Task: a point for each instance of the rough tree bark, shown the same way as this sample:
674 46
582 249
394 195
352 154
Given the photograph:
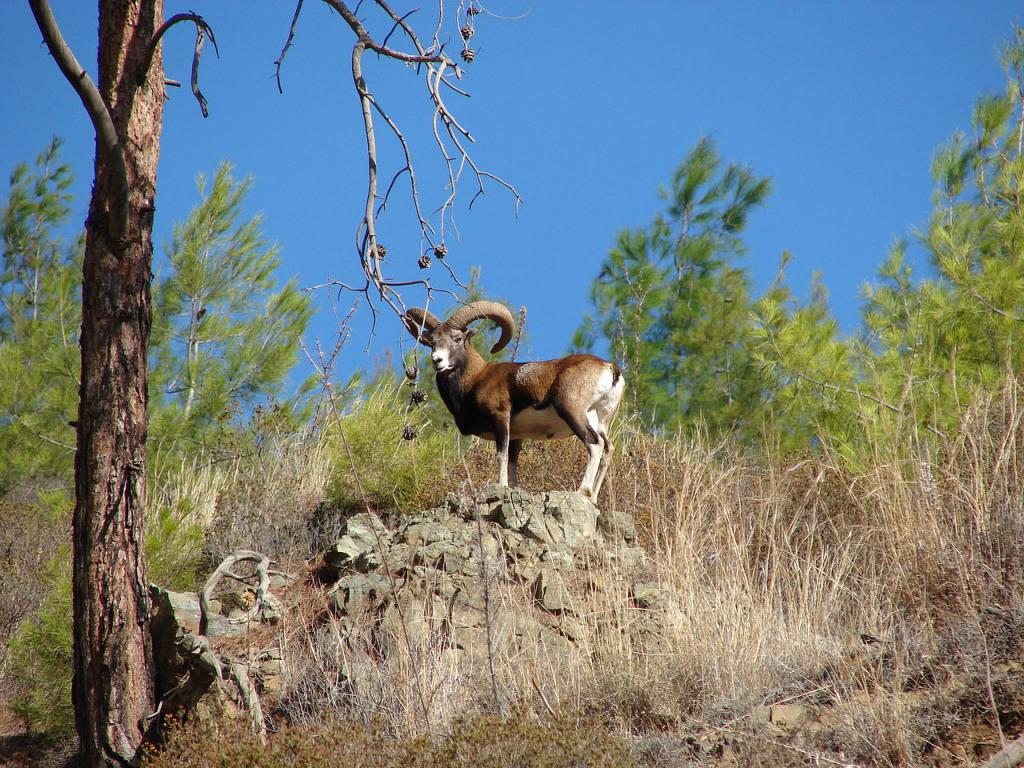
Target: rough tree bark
113 678
113 682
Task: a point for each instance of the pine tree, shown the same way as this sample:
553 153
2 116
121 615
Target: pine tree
40 313
929 346
674 307
225 336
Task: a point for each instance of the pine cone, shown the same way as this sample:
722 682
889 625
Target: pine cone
381 251
441 251
467 32
418 396
473 10
468 54
424 261
411 372
409 432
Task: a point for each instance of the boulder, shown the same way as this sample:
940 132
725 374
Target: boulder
361 545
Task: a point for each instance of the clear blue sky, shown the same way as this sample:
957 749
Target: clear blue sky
587 107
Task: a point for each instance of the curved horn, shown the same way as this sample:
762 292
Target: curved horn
417 321
490 310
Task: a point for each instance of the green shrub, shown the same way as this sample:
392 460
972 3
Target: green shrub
392 454
174 545
41 657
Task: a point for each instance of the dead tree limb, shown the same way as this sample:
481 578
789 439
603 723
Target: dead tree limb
224 569
203 30
402 43
107 141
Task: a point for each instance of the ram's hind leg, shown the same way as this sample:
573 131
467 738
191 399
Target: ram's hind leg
591 439
606 460
502 442
607 449
600 416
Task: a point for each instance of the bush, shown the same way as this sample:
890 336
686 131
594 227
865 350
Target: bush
31 530
41 657
388 456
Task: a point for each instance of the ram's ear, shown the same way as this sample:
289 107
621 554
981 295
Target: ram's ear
420 323
471 332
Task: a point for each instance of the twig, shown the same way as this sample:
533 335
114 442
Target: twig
287 45
24 425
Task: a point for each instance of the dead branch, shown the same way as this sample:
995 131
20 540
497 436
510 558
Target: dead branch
1009 756
250 699
287 45
203 30
451 138
107 141
263 595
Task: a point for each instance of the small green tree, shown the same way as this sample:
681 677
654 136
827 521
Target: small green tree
225 336
928 347
40 312
674 307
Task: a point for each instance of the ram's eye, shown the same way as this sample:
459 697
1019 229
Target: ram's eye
457 337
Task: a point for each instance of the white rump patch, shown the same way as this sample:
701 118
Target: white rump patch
608 394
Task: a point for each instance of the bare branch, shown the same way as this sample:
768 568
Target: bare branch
197 53
203 30
399 22
287 46
262 588
456 157
107 140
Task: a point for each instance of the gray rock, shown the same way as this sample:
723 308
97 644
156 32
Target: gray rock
648 594
617 526
629 559
178 613
357 592
550 593
511 508
359 547
575 515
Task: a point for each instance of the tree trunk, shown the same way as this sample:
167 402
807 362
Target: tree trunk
113 664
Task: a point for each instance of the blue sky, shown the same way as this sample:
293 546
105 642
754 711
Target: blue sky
586 107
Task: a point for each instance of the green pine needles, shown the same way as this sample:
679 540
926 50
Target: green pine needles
675 307
225 335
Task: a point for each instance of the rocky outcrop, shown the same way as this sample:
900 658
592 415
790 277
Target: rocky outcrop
507 575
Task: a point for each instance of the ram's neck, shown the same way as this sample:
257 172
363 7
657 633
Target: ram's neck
453 385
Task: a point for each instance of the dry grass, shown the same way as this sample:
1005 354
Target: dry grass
849 594
887 603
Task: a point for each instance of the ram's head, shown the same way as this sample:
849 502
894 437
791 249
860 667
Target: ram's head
449 340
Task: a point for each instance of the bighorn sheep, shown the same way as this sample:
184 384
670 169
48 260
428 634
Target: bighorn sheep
509 402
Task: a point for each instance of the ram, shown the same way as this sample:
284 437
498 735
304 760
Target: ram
511 402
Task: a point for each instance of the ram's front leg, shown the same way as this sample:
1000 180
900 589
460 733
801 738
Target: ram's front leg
514 447
501 439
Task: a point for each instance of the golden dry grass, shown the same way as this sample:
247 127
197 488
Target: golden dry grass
888 602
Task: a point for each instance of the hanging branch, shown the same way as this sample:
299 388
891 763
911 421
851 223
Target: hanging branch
451 137
287 46
203 30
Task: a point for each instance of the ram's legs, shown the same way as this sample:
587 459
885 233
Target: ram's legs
590 438
501 439
514 447
606 459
